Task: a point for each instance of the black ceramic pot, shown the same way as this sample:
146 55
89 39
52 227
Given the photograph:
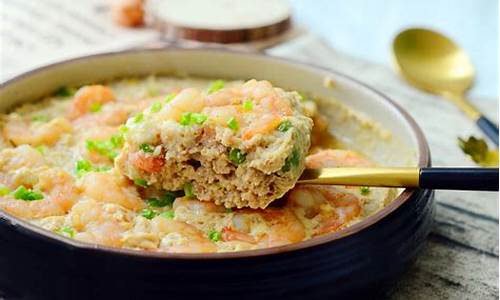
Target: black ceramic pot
361 260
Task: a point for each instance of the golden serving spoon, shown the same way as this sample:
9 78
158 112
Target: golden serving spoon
478 179
432 62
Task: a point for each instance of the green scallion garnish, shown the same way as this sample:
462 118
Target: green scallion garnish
214 235
95 107
22 193
170 97
364 190
284 126
292 161
248 105
233 124
141 182
156 107
146 148
168 214
215 86
4 190
188 190
236 156
148 213
138 118
66 231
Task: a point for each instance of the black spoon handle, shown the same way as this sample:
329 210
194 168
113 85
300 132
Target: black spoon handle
478 179
489 128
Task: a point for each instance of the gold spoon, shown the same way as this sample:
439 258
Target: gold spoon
478 179
432 62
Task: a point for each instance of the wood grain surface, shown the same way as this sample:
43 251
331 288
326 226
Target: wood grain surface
460 258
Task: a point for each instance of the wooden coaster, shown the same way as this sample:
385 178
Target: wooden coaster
220 21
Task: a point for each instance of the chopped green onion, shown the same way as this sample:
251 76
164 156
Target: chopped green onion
364 190
95 107
66 231
185 118
146 148
188 190
123 129
236 156
233 124
22 193
102 147
229 210
40 118
248 105
215 86
170 97
65 92
83 166
41 148
156 107
117 140
214 235
292 161
284 126
4 190
166 200
198 118
148 213
102 168
302 97
168 214
138 118
141 182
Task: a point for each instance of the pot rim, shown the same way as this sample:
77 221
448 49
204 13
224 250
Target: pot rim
423 160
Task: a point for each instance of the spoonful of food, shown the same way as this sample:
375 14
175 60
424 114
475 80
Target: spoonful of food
432 62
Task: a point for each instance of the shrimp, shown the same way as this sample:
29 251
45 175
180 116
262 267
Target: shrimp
100 223
59 196
282 227
224 97
110 187
263 125
221 114
196 206
257 90
188 100
332 158
180 237
88 96
329 208
147 163
19 131
113 115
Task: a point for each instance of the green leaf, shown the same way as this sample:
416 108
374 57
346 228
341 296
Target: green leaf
478 151
22 193
236 156
284 126
215 86
42 149
233 124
